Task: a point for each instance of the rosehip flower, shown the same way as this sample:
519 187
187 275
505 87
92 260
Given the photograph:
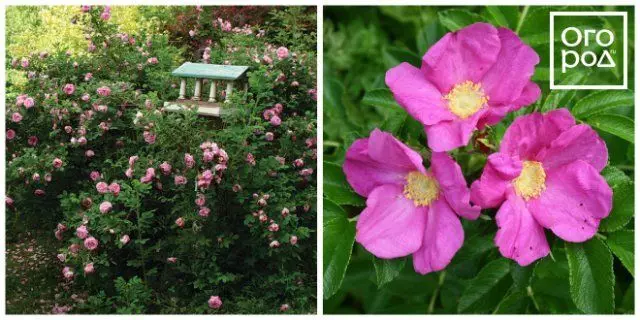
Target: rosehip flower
104 91
298 163
410 210
282 53
25 63
262 218
11 134
207 156
149 137
39 192
192 33
285 212
62 257
67 273
278 107
262 202
251 159
275 121
267 59
293 240
267 114
114 188
82 141
91 243
179 180
102 187
180 222
105 207
35 177
461 85
268 136
32 141
546 175
85 97
88 269
152 60
16 117
74 248
295 83
236 188
215 302
306 172
94 175
88 76
47 177
29 103
128 173
189 161
313 93
165 168
200 200
172 259
284 307
8 201
105 15
58 234
204 212
82 232
57 163
89 153
125 239
274 227
132 160
274 244
69 88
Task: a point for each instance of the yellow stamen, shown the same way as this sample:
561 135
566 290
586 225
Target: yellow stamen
530 183
466 98
421 188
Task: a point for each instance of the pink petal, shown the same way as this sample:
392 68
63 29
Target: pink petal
499 172
519 236
529 134
419 97
448 135
530 94
391 226
453 185
443 237
460 56
578 143
378 160
495 113
576 198
515 62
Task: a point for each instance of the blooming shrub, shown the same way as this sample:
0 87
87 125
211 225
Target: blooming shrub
167 203
432 113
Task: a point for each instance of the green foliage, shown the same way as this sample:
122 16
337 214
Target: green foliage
361 44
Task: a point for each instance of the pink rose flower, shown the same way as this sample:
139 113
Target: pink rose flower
278 107
180 222
105 207
298 163
274 227
165 168
267 59
82 232
16 117
132 160
204 212
128 173
200 200
284 308
105 15
91 243
172 259
215 302
102 187
152 60
189 161
11 134
284 212
410 210
275 121
114 187
88 269
32 141
295 83
88 76
545 175
39 192
104 91
313 93
179 180
62 257
282 53
67 273
29 103
149 137
269 136
293 240
94 176
274 244
461 85
8 201
125 239
35 177
89 153
25 63
69 88
57 163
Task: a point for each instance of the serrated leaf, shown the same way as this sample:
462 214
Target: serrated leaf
622 211
621 244
455 19
336 188
591 276
380 97
561 98
601 101
614 176
617 125
338 237
482 288
387 269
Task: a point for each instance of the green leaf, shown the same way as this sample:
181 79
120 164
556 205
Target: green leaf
482 288
617 125
591 276
622 211
561 98
394 56
455 19
338 237
427 35
387 269
497 17
601 101
614 176
621 244
336 188
513 303
380 97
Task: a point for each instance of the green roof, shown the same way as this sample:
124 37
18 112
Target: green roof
209 71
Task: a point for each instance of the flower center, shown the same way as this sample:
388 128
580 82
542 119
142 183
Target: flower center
466 98
530 183
421 188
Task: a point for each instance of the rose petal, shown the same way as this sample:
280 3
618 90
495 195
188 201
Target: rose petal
578 143
490 190
448 135
391 226
453 185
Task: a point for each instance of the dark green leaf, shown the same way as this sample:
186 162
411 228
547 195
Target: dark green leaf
497 17
338 237
561 98
394 56
455 19
427 35
617 125
591 276
336 188
601 101
387 269
621 244
483 287
380 97
622 211
614 176
513 303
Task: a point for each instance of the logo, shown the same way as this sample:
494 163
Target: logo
577 47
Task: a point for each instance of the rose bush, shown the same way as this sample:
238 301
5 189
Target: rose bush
187 214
